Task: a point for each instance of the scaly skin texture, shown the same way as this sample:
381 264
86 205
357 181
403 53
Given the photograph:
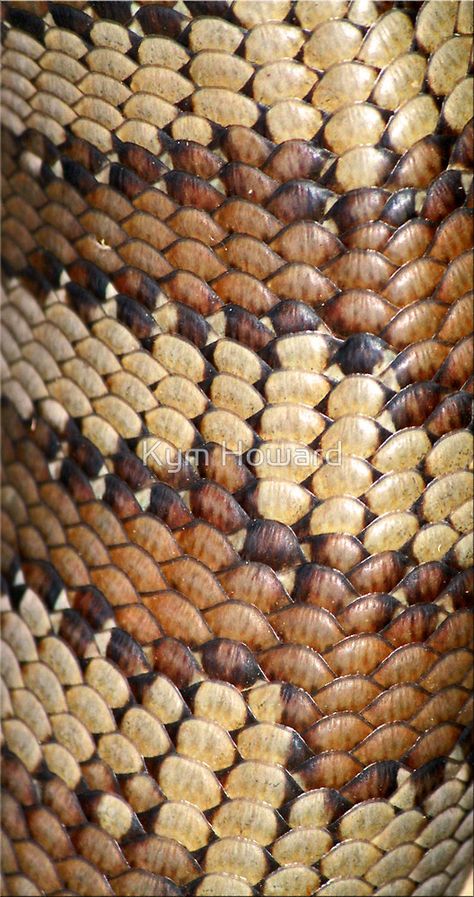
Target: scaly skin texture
237 456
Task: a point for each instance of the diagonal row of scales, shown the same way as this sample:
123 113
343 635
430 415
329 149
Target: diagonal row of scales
237 458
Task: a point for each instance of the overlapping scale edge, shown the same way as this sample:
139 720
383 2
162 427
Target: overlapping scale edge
232 675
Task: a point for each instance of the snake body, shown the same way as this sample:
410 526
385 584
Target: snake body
237 451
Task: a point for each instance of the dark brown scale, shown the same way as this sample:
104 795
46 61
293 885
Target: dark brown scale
191 190
71 18
452 413
126 653
156 19
76 632
173 659
244 181
143 163
414 404
119 497
298 199
357 207
93 606
137 285
379 780
444 195
169 506
84 302
245 328
272 543
462 152
90 277
323 587
132 471
293 317
230 661
424 583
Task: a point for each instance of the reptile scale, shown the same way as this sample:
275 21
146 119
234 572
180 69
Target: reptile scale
237 450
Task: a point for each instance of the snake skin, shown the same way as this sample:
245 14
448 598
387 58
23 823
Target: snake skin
237 450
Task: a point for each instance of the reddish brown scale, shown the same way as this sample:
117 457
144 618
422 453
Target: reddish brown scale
155 202
424 583
195 159
405 664
173 659
323 587
244 217
370 613
332 769
309 670
379 573
413 323
458 365
185 287
138 623
194 256
91 842
255 583
374 235
337 550
414 404
454 632
418 362
357 311
300 281
218 507
197 224
244 181
177 617
341 732
160 855
360 269
307 625
413 625
419 165
388 742
245 145
457 280
224 469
